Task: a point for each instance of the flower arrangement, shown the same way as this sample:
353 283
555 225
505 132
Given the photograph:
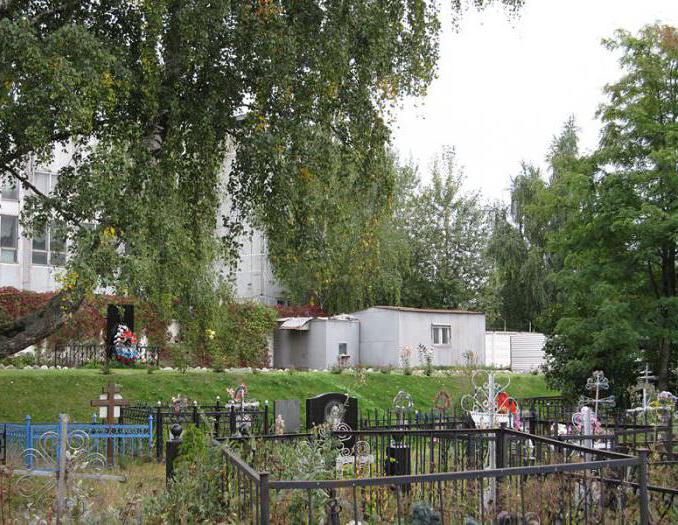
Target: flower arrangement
405 356
596 426
666 400
238 394
426 358
279 425
125 346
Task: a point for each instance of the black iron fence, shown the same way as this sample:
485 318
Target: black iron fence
433 419
74 355
460 476
220 420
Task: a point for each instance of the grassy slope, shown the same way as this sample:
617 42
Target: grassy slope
44 394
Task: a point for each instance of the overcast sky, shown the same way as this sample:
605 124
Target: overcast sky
505 87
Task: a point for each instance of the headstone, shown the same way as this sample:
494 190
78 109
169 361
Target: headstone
115 316
290 411
333 408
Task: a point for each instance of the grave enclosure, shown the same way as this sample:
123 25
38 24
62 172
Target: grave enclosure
517 465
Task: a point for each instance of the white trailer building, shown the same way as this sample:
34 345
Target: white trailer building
519 351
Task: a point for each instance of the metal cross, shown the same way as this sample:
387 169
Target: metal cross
596 383
645 383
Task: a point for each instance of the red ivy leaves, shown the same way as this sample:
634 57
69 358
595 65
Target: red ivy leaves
89 322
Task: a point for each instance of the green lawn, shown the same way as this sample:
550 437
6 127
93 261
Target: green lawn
45 393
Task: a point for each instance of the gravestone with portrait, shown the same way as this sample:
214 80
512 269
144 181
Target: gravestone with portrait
335 409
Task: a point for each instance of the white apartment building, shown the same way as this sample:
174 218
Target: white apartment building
34 264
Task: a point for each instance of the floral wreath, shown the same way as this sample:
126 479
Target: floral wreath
125 345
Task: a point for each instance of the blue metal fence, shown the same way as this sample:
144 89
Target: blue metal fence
128 441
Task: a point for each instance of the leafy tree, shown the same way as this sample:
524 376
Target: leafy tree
447 231
618 282
519 247
150 95
330 239
516 251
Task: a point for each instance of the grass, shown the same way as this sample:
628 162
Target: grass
45 393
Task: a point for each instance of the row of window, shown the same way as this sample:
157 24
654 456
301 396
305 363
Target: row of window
48 247
42 180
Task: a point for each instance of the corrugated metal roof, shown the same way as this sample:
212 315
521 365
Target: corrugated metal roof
428 310
295 323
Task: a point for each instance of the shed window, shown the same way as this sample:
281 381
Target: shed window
343 349
440 334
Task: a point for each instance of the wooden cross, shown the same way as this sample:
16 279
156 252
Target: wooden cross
110 402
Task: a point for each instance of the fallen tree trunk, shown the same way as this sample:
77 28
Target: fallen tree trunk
19 334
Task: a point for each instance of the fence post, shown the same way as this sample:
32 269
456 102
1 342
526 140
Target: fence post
28 443
264 504
499 448
196 420
532 422
217 417
3 455
172 451
266 417
642 484
669 437
231 421
150 435
158 432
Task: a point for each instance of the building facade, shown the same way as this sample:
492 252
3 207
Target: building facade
35 264
376 336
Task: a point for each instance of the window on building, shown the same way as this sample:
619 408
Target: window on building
41 181
9 236
49 247
39 249
57 245
10 190
441 334
343 348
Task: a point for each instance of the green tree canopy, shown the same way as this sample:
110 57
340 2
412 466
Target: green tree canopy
617 285
150 95
446 229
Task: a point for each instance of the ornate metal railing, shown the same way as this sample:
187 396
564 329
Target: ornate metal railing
531 479
74 355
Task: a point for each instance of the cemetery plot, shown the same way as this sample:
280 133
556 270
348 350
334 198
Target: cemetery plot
534 478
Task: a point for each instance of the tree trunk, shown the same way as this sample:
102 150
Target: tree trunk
32 328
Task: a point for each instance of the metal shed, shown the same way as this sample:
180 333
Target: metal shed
521 351
316 342
457 336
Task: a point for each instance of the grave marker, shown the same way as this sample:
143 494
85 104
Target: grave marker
290 411
334 409
109 404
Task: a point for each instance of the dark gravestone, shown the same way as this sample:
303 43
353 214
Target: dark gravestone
333 408
290 411
115 316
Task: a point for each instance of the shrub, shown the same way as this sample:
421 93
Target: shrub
194 496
